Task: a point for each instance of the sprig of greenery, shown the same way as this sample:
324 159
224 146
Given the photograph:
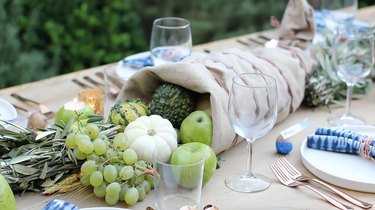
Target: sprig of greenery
323 87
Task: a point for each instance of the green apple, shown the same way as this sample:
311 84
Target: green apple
64 115
191 153
197 127
7 200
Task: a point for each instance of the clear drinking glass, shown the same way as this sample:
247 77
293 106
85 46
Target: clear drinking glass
252 113
170 40
338 12
177 186
353 59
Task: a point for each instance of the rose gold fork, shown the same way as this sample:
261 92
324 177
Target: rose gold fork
42 108
296 175
287 181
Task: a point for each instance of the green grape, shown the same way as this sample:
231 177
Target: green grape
113 189
112 155
93 156
99 191
124 188
120 141
131 196
78 154
111 199
92 130
140 178
126 172
130 156
86 146
150 179
141 163
110 173
80 137
141 193
100 147
132 181
88 167
146 185
119 166
96 178
101 168
102 137
71 141
85 180
139 175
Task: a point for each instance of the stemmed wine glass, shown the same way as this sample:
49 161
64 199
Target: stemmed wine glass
252 113
353 59
170 40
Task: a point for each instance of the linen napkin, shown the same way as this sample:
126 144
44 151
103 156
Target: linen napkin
211 74
297 27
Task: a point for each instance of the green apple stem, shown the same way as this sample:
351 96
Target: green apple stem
249 162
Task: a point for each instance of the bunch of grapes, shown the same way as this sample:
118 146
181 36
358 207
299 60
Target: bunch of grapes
111 167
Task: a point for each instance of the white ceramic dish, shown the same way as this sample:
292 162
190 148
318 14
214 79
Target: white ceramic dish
124 70
7 111
344 170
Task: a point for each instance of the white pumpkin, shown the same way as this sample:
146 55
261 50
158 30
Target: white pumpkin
148 134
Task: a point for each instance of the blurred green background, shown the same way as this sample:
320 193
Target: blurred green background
43 38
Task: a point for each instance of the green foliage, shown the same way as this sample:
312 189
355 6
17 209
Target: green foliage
40 39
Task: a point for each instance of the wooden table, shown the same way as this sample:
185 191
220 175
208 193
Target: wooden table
57 90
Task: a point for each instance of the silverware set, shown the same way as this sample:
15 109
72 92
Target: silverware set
43 109
114 89
289 176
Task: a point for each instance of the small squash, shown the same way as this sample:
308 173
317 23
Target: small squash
125 112
149 134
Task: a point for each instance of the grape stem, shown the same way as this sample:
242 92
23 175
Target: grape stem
145 170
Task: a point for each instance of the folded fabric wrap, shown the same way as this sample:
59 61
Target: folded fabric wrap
211 76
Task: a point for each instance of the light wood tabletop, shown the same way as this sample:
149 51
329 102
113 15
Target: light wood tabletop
55 91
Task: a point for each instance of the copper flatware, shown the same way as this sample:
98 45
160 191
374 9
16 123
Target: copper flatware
112 89
81 84
297 175
42 108
288 181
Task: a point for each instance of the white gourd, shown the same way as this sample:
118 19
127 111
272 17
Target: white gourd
148 134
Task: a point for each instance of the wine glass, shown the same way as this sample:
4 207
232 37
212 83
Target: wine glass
353 59
252 113
338 12
170 40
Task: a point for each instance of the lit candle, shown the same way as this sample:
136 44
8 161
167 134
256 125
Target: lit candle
71 109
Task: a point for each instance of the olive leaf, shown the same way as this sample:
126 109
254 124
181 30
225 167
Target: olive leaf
44 134
25 170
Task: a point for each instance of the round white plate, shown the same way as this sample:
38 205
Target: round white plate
344 170
7 111
124 70
104 208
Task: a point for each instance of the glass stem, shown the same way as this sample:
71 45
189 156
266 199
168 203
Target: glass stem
249 162
349 91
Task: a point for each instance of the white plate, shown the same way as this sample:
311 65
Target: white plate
344 170
103 208
7 111
124 70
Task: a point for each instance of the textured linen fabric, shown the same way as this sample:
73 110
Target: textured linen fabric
211 75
